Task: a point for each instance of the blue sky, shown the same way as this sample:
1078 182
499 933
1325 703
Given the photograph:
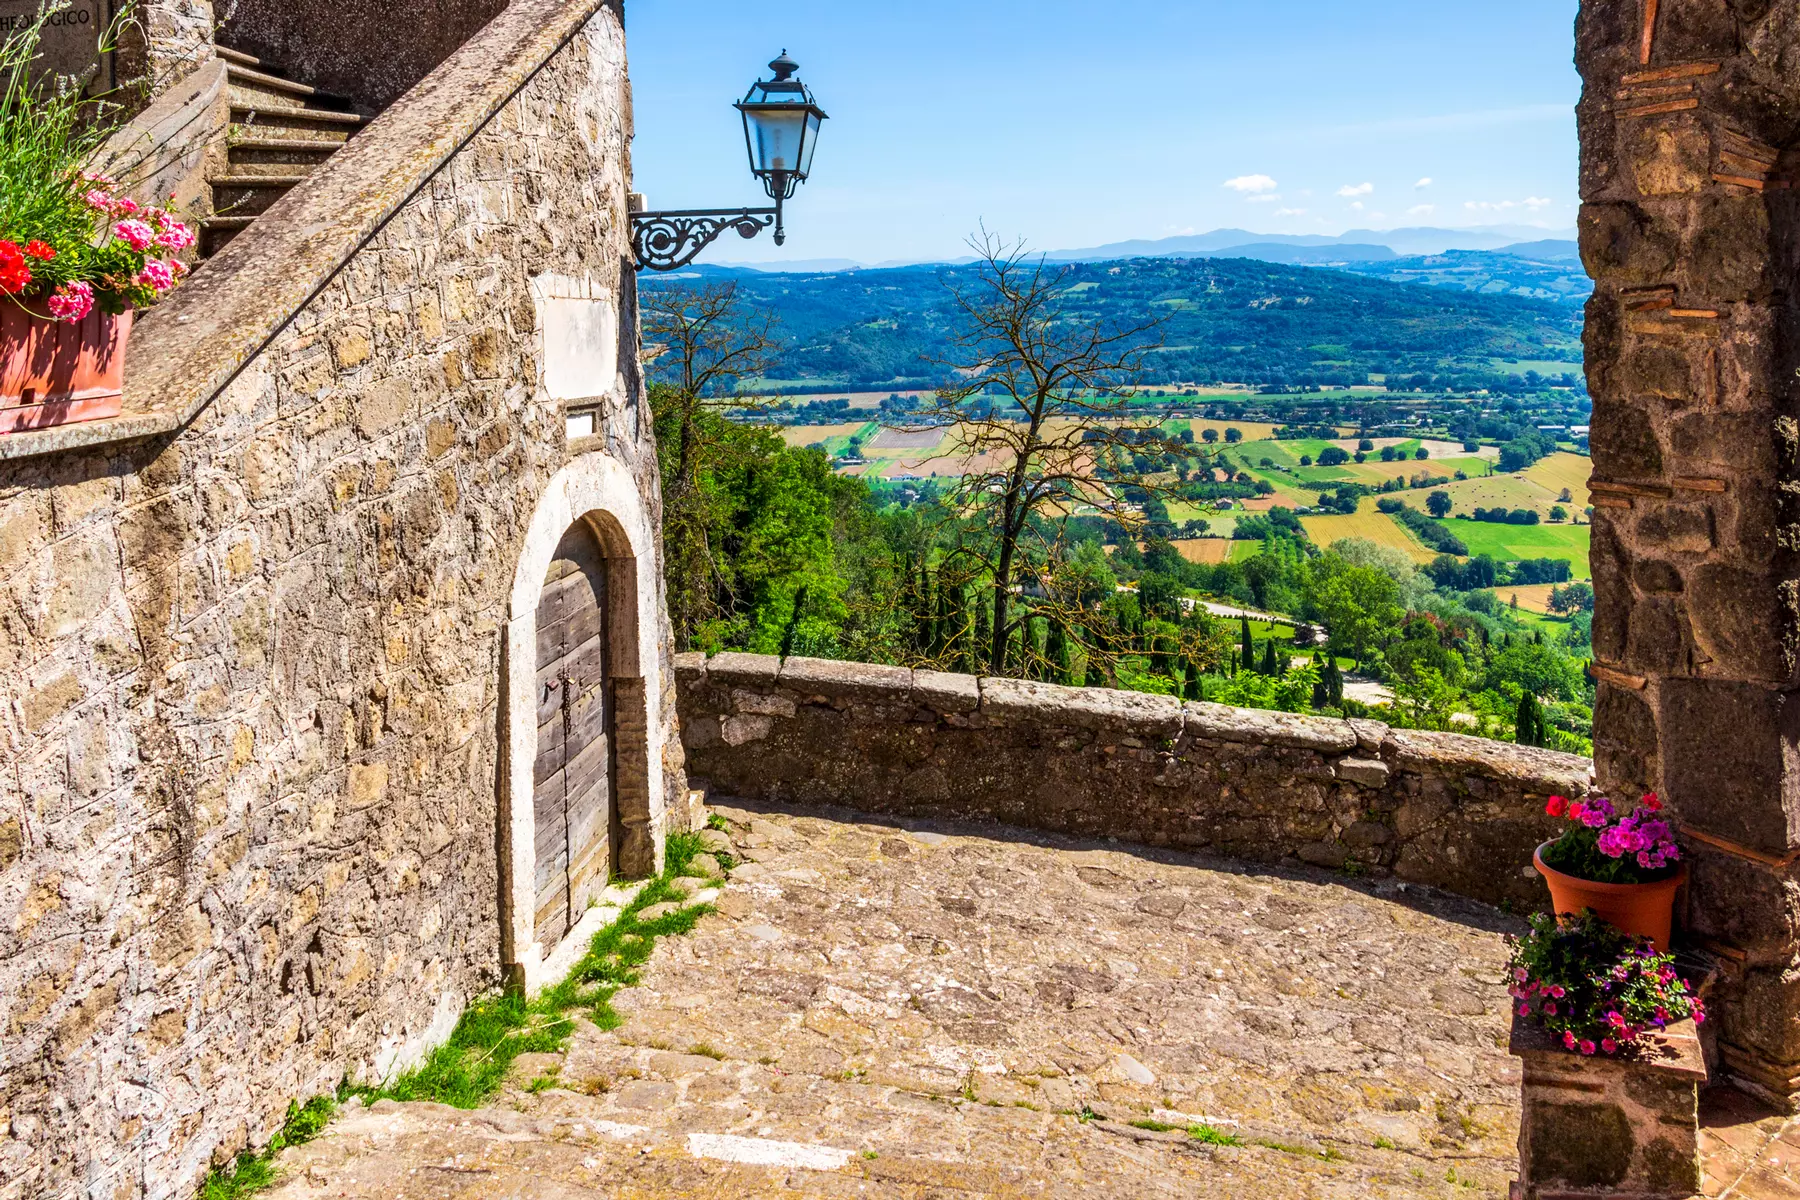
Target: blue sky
1074 124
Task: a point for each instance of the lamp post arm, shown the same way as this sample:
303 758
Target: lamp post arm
668 241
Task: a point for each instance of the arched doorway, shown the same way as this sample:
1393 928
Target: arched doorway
581 787
572 778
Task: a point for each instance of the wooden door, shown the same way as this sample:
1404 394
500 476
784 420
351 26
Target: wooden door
573 775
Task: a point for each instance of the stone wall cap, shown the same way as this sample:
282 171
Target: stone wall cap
945 692
1533 769
690 668
872 682
1674 1052
1221 723
735 667
1050 704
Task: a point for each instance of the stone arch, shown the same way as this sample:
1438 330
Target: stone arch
596 495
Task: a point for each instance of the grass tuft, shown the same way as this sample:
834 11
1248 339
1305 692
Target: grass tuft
254 1171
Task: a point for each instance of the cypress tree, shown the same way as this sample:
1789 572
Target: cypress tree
1321 697
1270 667
1335 681
1529 728
1249 648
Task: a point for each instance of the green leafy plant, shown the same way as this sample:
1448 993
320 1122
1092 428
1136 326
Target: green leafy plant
1597 989
68 243
255 1170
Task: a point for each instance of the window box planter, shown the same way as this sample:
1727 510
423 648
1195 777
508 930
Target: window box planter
60 372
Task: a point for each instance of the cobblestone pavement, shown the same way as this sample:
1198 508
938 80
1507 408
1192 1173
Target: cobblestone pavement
878 1012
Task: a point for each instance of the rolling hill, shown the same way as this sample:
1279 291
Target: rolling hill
1223 320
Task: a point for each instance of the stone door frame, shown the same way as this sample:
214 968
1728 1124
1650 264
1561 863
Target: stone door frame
596 489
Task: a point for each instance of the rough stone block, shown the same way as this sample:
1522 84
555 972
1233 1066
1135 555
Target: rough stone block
1367 772
1218 723
868 683
751 670
1731 760
690 669
946 693
1051 705
1604 1126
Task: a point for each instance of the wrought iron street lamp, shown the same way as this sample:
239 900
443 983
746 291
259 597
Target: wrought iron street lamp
781 131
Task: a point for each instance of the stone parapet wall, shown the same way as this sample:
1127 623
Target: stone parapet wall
251 663
1456 812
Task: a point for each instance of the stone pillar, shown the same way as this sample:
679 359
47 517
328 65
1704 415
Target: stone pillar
1608 1127
1690 126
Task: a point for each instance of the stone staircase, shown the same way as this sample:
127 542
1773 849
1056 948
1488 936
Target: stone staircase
280 130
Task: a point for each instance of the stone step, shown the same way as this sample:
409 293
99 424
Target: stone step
248 153
310 124
239 58
249 195
216 233
259 89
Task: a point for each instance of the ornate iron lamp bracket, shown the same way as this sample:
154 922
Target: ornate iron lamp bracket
668 241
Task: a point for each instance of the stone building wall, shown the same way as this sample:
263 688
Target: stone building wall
1690 130
1455 812
251 665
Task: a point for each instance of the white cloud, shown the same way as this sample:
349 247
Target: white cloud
1421 210
1357 205
1423 183
1536 202
1356 189
1290 212
1252 183
1265 198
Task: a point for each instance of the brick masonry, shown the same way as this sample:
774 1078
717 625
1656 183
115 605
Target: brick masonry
1690 130
1455 812
251 676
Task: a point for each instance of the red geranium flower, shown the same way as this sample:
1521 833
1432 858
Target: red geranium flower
42 251
15 272
1557 806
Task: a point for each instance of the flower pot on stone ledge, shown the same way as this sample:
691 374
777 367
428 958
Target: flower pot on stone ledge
58 372
1640 909
1626 867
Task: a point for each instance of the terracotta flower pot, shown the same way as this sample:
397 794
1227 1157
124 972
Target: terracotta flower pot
58 372
1644 909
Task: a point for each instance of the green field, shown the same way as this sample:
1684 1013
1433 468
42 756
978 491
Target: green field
1509 543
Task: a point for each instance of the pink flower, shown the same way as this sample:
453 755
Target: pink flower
175 236
1587 1047
1524 1010
139 235
1569 1041
158 275
1557 992
99 201
125 206
1609 1046
1616 1019
72 301
1549 1008
1699 1016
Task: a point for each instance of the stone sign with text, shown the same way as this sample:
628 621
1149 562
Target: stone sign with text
71 36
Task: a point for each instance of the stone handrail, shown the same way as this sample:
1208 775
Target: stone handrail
187 349
1444 809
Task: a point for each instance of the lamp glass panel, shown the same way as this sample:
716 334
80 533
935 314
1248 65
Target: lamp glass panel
810 144
776 134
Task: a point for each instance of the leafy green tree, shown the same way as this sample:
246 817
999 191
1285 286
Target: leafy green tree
1209 436
1358 605
1439 504
1233 436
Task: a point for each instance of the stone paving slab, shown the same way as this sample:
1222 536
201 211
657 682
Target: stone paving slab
879 1012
